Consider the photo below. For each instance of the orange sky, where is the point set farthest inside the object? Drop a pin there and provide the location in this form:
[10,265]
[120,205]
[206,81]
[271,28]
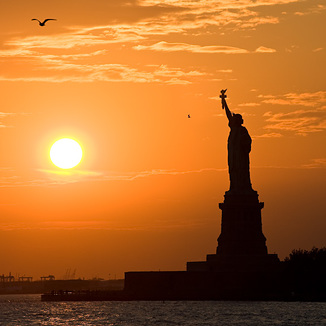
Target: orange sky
[121,77]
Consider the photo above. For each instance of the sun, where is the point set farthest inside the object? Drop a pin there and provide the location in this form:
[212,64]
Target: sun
[66,153]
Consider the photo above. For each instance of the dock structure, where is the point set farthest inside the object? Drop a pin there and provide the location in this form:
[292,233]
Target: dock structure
[48,278]
[7,278]
[25,279]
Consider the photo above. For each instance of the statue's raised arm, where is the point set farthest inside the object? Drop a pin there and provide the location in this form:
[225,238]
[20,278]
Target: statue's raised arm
[224,104]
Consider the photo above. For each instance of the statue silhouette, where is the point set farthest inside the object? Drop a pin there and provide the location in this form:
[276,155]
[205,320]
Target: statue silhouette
[239,147]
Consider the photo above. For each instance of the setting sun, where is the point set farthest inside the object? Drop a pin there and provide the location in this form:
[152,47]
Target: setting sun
[66,153]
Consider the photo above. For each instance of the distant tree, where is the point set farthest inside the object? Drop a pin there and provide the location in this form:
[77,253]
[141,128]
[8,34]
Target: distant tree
[305,272]
[307,259]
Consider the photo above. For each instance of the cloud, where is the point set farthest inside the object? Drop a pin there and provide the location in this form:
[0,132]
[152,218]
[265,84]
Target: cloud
[72,225]
[215,98]
[82,53]
[40,66]
[173,47]
[73,173]
[182,17]
[143,174]
[18,52]
[76,38]
[268,135]
[10,178]
[67,68]
[263,49]
[314,9]
[316,163]
[302,99]
[301,122]
[249,104]
[222,49]
[102,225]
[213,3]
[310,118]
[241,14]
[4,115]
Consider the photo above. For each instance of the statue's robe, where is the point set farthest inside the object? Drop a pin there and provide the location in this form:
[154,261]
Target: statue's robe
[239,147]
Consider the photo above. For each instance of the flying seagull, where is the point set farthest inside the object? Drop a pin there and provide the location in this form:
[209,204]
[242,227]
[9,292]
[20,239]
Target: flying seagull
[43,23]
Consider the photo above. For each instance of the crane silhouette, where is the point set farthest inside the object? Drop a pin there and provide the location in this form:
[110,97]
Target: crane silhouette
[43,22]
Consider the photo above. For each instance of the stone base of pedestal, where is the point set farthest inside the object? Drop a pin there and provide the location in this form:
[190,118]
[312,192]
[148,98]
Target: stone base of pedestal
[241,229]
[241,244]
[234,263]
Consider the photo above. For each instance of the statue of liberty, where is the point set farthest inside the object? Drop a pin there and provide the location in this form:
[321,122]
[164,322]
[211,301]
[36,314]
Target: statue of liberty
[239,147]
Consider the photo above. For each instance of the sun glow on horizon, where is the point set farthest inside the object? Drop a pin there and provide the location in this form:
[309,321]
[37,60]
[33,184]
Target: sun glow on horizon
[66,153]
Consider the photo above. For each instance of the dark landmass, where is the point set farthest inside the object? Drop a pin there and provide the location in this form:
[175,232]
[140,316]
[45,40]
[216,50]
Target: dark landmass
[301,277]
[38,287]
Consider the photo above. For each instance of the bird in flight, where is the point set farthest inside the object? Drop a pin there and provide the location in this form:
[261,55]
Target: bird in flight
[43,23]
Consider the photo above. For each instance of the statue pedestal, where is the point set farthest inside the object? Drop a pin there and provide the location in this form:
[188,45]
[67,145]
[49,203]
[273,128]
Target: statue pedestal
[241,244]
[241,269]
[241,230]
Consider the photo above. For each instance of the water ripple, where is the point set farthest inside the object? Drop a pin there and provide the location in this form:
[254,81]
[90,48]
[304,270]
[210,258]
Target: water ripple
[21,310]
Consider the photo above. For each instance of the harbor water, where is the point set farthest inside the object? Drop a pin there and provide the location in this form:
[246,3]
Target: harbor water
[20,310]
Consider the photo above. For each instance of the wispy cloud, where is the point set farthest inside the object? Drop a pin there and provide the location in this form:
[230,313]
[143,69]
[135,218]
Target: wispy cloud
[103,225]
[68,56]
[306,113]
[302,122]
[263,49]
[72,173]
[82,54]
[10,178]
[242,14]
[224,49]
[67,68]
[59,177]
[268,135]
[76,38]
[4,115]
[143,174]
[251,104]
[302,99]
[173,47]
[314,9]
[316,163]
[213,3]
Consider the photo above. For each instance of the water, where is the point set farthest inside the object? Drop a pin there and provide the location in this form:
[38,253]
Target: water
[29,310]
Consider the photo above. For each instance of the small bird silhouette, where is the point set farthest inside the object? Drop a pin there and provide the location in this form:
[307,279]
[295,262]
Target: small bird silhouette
[43,23]
[189,116]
